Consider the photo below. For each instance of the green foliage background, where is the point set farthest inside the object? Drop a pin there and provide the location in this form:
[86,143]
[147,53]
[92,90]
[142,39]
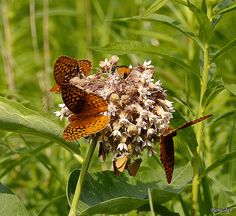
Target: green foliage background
[35,162]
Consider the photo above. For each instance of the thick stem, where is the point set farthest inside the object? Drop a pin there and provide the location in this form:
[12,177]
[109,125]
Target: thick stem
[81,179]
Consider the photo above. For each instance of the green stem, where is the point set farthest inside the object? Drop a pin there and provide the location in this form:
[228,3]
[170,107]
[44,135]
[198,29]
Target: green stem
[197,160]
[81,179]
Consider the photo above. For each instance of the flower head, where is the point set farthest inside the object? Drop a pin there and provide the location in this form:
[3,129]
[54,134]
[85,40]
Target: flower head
[138,109]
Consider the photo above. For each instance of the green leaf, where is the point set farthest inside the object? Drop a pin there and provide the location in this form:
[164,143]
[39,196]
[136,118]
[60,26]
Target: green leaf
[167,21]
[224,49]
[213,89]
[226,10]
[204,22]
[226,114]
[17,118]
[11,162]
[220,161]
[231,88]
[105,193]
[10,205]
[155,7]
[130,46]
[207,197]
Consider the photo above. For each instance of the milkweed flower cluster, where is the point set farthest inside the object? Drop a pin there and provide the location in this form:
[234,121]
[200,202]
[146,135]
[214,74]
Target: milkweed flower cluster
[137,105]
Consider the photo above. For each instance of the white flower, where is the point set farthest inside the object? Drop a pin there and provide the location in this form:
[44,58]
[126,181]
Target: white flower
[122,146]
[64,112]
[147,64]
[116,133]
[114,59]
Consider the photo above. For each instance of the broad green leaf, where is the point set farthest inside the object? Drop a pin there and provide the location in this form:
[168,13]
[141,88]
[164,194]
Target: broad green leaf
[10,205]
[224,49]
[168,21]
[204,22]
[127,47]
[220,161]
[213,89]
[103,192]
[231,88]
[155,7]
[17,118]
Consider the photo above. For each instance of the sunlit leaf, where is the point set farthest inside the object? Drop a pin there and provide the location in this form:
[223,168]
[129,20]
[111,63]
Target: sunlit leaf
[204,22]
[155,7]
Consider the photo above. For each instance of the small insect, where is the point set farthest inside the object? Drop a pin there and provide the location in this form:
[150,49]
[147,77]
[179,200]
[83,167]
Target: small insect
[167,147]
[122,71]
[122,162]
[88,109]
[66,68]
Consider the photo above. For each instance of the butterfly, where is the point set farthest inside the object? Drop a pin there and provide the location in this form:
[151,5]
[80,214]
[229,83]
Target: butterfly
[88,112]
[167,146]
[66,68]
[121,71]
[122,162]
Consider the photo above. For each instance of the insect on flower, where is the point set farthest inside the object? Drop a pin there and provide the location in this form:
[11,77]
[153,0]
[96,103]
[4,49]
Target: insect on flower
[122,71]
[119,107]
[66,68]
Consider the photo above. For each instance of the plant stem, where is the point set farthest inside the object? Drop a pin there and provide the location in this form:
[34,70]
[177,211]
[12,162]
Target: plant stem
[81,179]
[197,160]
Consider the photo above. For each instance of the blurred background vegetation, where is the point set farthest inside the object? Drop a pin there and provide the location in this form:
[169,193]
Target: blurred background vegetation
[33,34]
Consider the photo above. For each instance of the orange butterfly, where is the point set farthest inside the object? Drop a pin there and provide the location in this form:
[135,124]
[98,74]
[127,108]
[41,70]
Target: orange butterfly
[66,68]
[167,147]
[122,71]
[87,108]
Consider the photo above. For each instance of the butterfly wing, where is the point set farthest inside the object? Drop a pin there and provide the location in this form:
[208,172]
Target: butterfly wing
[134,167]
[73,97]
[82,126]
[120,163]
[94,104]
[65,68]
[85,66]
[79,101]
[167,155]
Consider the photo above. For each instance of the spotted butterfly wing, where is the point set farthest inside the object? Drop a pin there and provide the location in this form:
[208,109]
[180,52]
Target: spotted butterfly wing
[66,68]
[167,147]
[82,126]
[79,101]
